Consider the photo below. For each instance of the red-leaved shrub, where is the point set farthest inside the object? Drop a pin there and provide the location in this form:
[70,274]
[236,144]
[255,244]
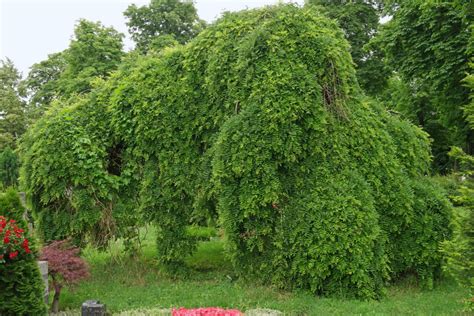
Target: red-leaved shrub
[65,267]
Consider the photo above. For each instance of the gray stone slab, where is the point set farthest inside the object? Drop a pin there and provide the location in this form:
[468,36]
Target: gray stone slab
[43,267]
[263,312]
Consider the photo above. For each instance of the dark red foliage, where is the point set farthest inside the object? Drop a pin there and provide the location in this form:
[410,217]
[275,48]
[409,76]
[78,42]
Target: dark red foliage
[64,263]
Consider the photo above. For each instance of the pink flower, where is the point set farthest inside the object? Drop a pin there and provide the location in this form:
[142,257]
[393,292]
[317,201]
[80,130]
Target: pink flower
[210,311]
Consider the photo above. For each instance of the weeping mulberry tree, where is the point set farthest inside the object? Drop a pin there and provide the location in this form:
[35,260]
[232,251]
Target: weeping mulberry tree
[259,118]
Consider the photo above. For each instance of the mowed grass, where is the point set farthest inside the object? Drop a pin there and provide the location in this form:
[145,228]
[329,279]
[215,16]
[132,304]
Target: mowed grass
[125,283]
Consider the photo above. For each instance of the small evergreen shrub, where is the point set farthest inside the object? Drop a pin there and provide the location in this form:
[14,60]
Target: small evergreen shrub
[11,204]
[9,167]
[21,286]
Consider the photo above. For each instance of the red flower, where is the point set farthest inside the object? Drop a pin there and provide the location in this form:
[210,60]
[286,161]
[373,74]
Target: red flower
[25,246]
[14,241]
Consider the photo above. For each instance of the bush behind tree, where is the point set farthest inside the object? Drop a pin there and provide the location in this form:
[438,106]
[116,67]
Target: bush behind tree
[10,202]
[459,250]
[9,168]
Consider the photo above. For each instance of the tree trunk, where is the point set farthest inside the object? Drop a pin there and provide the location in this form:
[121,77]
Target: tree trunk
[57,292]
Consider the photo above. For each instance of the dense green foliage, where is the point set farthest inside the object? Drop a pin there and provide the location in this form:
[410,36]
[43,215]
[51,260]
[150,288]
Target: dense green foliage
[460,250]
[261,119]
[360,21]
[22,288]
[74,188]
[43,83]
[11,205]
[469,80]
[94,51]
[426,42]
[175,18]
[9,167]
[417,248]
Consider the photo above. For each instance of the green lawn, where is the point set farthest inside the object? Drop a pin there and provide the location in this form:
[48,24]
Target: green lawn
[125,284]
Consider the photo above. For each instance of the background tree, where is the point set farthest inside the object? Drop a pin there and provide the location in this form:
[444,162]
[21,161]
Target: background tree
[426,43]
[13,121]
[459,250]
[42,83]
[162,41]
[359,20]
[12,107]
[412,101]
[178,18]
[95,51]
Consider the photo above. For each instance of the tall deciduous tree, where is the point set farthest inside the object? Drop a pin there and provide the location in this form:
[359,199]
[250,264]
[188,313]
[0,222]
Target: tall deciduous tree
[42,83]
[178,18]
[359,20]
[95,51]
[12,107]
[468,8]
[426,42]
[459,250]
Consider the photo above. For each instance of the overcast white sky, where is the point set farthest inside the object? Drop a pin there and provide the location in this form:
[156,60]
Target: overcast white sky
[32,29]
